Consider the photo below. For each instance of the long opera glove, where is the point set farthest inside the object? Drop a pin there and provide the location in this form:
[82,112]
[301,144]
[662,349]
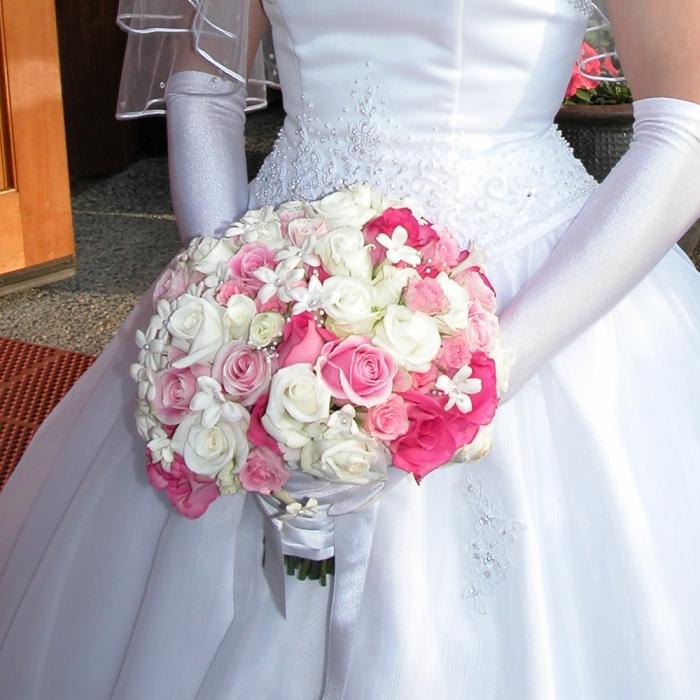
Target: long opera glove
[644,206]
[206,152]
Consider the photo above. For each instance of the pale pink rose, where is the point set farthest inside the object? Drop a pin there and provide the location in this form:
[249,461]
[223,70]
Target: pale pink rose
[227,290]
[482,330]
[454,353]
[190,493]
[302,340]
[387,421]
[403,381]
[300,229]
[171,284]
[289,215]
[440,254]
[425,295]
[174,391]
[355,370]
[257,435]
[243,371]
[246,261]
[425,381]
[476,284]
[263,472]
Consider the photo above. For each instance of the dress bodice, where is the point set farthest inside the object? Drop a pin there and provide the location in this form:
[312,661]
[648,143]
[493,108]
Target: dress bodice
[449,102]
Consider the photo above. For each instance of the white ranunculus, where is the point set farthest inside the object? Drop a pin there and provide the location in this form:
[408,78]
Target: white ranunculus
[297,403]
[342,209]
[389,283]
[348,302]
[479,448]
[207,451]
[265,328]
[240,311]
[343,252]
[457,318]
[206,255]
[352,459]
[410,336]
[197,327]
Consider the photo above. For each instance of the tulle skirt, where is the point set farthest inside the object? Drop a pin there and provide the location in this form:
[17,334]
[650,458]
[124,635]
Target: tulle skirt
[564,565]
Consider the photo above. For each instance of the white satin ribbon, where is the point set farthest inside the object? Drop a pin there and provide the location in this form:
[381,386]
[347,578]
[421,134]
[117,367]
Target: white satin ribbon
[342,526]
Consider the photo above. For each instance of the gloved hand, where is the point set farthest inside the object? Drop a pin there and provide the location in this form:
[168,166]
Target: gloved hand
[206,152]
[644,206]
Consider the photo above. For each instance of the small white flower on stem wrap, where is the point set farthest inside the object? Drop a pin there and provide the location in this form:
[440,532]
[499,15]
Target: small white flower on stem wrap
[459,388]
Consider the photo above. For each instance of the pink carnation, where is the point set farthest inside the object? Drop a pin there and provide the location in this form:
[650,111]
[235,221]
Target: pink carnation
[454,353]
[440,254]
[477,285]
[425,295]
[246,261]
[482,330]
[264,471]
[228,289]
[425,381]
[190,493]
[387,421]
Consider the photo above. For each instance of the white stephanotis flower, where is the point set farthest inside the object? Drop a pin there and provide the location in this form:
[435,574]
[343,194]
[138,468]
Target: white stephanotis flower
[308,297]
[457,317]
[161,448]
[304,253]
[280,281]
[213,405]
[145,420]
[396,249]
[258,225]
[459,389]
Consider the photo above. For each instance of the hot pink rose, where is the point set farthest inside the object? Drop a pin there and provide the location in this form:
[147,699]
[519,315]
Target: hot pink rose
[477,285]
[482,330]
[302,340]
[264,471]
[424,381]
[355,370]
[257,435]
[418,235]
[440,254]
[174,391]
[387,421]
[246,261]
[425,295]
[188,492]
[171,284]
[243,371]
[432,438]
[454,353]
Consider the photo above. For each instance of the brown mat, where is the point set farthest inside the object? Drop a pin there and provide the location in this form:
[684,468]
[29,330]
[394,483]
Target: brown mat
[33,379]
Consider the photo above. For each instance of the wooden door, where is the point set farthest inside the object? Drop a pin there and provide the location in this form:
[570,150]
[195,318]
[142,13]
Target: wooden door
[36,231]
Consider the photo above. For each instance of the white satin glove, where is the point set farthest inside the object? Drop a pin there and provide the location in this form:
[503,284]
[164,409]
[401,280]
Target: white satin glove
[206,152]
[644,206]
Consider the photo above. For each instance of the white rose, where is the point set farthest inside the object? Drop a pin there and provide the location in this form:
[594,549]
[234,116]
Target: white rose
[341,209]
[298,401]
[259,225]
[389,283]
[343,252]
[479,448]
[457,318]
[240,310]
[207,253]
[410,336]
[367,198]
[265,328]
[207,451]
[348,302]
[197,327]
[356,459]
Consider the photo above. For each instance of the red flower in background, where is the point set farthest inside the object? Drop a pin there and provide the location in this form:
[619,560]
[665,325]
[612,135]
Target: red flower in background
[600,66]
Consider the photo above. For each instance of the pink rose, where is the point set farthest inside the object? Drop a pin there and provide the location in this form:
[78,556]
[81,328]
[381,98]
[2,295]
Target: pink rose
[387,421]
[174,391]
[454,353]
[482,330]
[264,471]
[425,295]
[188,492]
[477,285]
[257,435]
[424,381]
[287,216]
[433,437]
[440,254]
[246,261]
[300,229]
[243,371]
[171,284]
[272,304]
[403,381]
[355,370]
[418,235]
[302,340]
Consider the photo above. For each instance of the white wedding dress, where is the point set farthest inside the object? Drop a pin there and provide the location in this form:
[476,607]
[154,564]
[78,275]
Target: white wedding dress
[562,566]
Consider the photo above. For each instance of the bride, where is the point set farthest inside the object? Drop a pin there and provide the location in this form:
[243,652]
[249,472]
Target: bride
[564,565]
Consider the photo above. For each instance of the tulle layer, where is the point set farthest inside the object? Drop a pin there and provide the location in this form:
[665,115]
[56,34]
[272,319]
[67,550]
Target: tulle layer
[587,506]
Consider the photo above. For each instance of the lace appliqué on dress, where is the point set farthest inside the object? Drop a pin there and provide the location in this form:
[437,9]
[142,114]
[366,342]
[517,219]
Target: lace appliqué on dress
[483,198]
[489,548]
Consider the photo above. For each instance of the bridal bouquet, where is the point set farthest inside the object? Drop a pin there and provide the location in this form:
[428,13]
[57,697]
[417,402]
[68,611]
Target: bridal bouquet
[335,338]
